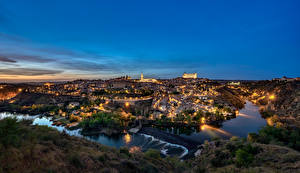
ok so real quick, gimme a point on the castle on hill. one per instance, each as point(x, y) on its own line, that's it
point(189, 75)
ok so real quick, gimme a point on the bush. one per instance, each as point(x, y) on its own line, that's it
point(102, 119)
point(243, 158)
point(234, 138)
point(252, 137)
point(124, 150)
point(279, 136)
point(220, 159)
point(266, 114)
point(74, 159)
point(155, 154)
point(10, 132)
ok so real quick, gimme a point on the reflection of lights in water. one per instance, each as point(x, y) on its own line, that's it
point(134, 149)
point(127, 138)
point(208, 127)
point(244, 115)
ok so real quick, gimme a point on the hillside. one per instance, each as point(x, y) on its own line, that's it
point(237, 155)
point(279, 100)
point(28, 148)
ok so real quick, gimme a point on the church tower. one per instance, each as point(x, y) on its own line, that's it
point(142, 76)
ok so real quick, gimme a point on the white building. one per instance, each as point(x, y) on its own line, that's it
point(189, 75)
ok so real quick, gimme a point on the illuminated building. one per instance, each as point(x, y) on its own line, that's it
point(234, 83)
point(152, 80)
point(189, 75)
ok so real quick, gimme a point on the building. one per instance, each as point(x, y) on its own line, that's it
point(234, 83)
point(152, 80)
point(189, 75)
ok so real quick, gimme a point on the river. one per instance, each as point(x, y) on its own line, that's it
point(248, 120)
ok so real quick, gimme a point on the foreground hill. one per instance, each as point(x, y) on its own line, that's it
point(27, 148)
point(237, 155)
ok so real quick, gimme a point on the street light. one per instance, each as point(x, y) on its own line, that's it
point(272, 97)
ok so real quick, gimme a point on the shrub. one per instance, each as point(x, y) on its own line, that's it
point(74, 159)
point(279, 136)
point(155, 154)
point(10, 132)
point(101, 157)
point(252, 137)
point(243, 158)
point(220, 159)
point(234, 138)
point(124, 150)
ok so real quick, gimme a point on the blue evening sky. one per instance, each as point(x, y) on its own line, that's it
point(218, 39)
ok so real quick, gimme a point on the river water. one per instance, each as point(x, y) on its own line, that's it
point(248, 120)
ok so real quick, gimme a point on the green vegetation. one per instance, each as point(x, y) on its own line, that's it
point(155, 154)
point(277, 136)
point(239, 155)
point(266, 114)
point(103, 120)
point(27, 148)
point(9, 133)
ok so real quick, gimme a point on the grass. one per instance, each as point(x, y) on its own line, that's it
point(28, 148)
point(238, 155)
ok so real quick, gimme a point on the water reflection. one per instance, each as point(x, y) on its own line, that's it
point(135, 142)
point(249, 120)
point(127, 138)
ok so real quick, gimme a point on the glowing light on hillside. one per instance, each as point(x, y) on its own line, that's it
point(202, 120)
point(237, 112)
point(127, 104)
point(127, 138)
point(272, 97)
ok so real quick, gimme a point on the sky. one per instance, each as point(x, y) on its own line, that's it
point(53, 40)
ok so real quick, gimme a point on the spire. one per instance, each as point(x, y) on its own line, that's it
point(142, 76)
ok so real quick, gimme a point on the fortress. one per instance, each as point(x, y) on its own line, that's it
point(189, 75)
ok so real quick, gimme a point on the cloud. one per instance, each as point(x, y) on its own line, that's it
point(13, 58)
point(28, 71)
point(88, 66)
point(5, 59)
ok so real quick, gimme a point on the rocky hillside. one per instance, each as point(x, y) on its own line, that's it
point(279, 99)
point(237, 155)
